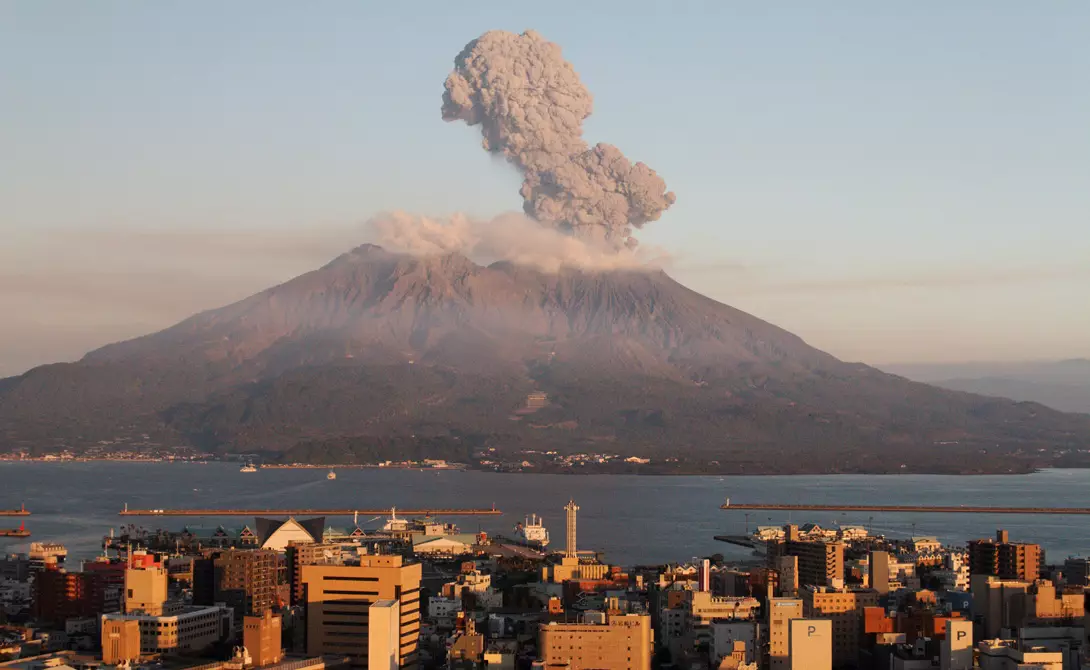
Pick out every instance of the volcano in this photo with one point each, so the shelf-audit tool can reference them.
(385, 355)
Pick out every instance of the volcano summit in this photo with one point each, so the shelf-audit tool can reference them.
(385, 355)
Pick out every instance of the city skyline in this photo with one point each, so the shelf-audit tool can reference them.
(910, 194)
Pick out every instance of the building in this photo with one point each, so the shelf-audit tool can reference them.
(261, 638)
(1007, 655)
(728, 637)
(384, 635)
(787, 568)
(301, 554)
(844, 607)
(957, 646)
(246, 580)
(58, 595)
(46, 554)
(781, 612)
(1077, 570)
(623, 642)
(338, 598)
(276, 534)
(810, 644)
(184, 630)
(878, 571)
(146, 583)
(120, 641)
(820, 561)
(1005, 559)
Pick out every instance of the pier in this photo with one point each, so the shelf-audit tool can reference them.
(22, 511)
(308, 512)
(927, 509)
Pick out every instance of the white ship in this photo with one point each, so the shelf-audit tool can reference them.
(532, 532)
(249, 467)
(331, 475)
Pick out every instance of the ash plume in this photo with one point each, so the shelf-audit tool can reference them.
(530, 105)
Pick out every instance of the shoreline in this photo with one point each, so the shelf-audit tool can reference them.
(639, 471)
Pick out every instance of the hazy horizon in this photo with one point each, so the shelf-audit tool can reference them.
(895, 185)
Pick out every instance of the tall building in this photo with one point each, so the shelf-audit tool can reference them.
(878, 569)
(300, 554)
(623, 642)
(811, 644)
(246, 581)
(383, 635)
(844, 607)
(338, 600)
(120, 641)
(146, 583)
(1005, 559)
(820, 562)
(261, 637)
(787, 571)
(781, 612)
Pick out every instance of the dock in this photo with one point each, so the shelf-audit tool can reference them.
(22, 511)
(926, 509)
(308, 512)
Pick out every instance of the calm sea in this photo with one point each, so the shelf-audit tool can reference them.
(632, 519)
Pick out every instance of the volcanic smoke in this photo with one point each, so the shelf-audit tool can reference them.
(530, 105)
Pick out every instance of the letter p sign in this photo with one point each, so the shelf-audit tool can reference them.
(810, 630)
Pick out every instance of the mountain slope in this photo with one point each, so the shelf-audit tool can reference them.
(384, 349)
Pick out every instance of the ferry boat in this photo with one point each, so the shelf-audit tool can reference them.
(532, 532)
(21, 531)
(249, 467)
(331, 475)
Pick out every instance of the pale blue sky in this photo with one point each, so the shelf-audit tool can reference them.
(904, 183)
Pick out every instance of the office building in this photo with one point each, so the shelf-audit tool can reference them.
(246, 581)
(844, 608)
(261, 638)
(183, 630)
(1005, 559)
(383, 635)
(301, 554)
(338, 598)
(781, 612)
(622, 642)
(120, 641)
(811, 644)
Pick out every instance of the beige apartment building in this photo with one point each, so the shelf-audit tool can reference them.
(146, 590)
(781, 612)
(338, 600)
(623, 642)
(844, 607)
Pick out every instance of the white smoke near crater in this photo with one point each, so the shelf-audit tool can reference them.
(510, 237)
